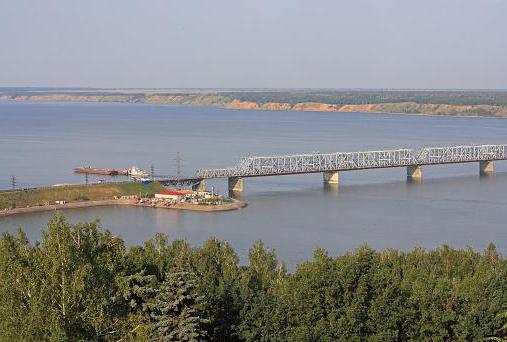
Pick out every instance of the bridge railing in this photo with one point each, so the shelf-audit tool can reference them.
(461, 154)
(341, 161)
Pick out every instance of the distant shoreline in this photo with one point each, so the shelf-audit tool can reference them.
(246, 101)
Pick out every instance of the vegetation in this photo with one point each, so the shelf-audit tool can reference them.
(341, 97)
(438, 102)
(176, 310)
(82, 283)
(292, 96)
(74, 193)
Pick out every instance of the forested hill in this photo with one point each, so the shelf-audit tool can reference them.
(82, 283)
(488, 103)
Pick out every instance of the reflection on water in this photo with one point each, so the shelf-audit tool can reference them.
(41, 143)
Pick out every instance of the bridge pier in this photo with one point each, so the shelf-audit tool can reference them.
(235, 185)
(414, 172)
(331, 178)
(486, 168)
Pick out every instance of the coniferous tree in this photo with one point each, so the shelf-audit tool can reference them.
(177, 309)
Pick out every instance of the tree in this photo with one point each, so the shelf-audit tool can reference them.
(216, 267)
(137, 292)
(503, 330)
(177, 309)
(78, 267)
(259, 282)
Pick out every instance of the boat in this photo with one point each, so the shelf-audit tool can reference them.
(142, 180)
(96, 171)
(136, 172)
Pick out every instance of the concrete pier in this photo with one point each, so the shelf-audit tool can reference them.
(331, 178)
(414, 172)
(235, 184)
(486, 168)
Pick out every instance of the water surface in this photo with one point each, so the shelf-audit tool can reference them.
(40, 143)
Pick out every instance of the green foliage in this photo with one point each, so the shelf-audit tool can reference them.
(177, 309)
(81, 283)
(341, 97)
(62, 287)
(216, 267)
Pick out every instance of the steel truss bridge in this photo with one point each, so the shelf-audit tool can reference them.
(257, 166)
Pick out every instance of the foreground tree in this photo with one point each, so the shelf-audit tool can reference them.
(177, 309)
(81, 284)
(62, 288)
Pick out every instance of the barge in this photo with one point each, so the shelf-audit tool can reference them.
(100, 171)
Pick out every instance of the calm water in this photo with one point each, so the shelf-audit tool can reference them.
(40, 143)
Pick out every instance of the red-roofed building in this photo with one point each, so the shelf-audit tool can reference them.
(170, 194)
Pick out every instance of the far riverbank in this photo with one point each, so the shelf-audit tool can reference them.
(441, 103)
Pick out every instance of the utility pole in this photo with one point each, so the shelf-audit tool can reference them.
(13, 180)
(178, 164)
(152, 172)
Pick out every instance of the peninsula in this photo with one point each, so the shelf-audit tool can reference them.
(53, 198)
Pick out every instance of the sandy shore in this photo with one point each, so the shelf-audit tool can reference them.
(182, 206)
(197, 207)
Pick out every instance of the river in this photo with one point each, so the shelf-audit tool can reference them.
(40, 144)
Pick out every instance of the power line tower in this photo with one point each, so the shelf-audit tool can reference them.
(86, 178)
(178, 164)
(152, 172)
(13, 182)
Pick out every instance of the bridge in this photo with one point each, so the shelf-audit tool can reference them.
(330, 164)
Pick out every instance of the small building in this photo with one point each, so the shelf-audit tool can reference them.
(170, 194)
(128, 197)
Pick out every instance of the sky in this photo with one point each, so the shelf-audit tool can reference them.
(442, 44)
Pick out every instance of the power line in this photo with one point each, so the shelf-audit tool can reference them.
(178, 160)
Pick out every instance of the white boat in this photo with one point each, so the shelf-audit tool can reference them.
(134, 171)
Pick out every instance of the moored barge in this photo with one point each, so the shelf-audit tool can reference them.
(100, 171)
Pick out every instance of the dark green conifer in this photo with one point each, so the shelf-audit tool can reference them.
(177, 309)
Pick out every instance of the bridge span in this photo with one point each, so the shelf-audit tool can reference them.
(330, 164)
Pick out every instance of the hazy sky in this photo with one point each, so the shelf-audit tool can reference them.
(254, 43)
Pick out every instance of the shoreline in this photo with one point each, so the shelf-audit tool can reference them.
(229, 106)
(236, 205)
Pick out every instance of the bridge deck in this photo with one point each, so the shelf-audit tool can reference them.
(180, 180)
(258, 166)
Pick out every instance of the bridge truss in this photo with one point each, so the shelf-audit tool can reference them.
(257, 166)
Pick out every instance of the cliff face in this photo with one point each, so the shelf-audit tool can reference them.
(432, 109)
(232, 103)
(236, 104)
(314, 107)
(276, 106)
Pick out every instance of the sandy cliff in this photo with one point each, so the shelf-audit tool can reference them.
(433, 109)
(232, 103)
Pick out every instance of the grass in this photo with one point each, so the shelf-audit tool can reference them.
(75, 193)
